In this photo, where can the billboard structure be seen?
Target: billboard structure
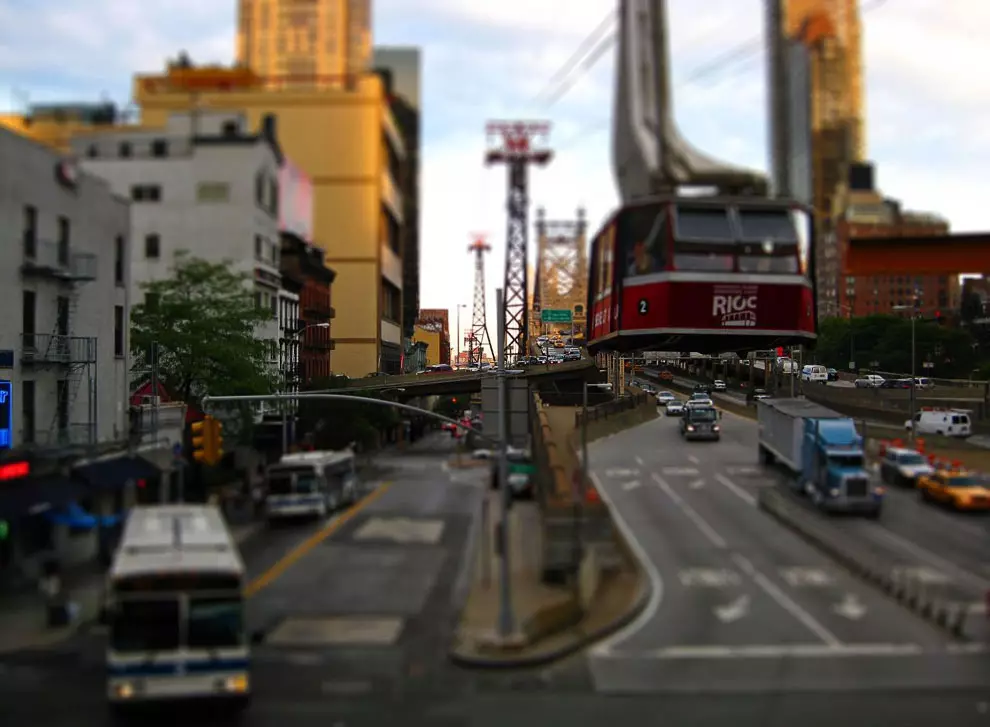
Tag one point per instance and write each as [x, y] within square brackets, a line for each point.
[295, 201]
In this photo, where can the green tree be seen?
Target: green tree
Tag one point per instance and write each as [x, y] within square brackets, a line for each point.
[203, 319]
[887, 340]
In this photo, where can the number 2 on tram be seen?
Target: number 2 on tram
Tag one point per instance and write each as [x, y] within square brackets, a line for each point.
[705, 274]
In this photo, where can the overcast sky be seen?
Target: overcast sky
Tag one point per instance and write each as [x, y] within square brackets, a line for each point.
[928, 96]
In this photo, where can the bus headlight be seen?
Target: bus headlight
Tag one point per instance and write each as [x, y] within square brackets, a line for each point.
[690, 428]
[237, 684]
[124, 690]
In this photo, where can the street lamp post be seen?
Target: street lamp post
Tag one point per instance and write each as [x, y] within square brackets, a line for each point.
[285, 407]
[457, 361]
[913, 308]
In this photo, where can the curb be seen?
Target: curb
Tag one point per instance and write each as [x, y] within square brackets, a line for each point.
[463, 580]
[548, 657]
[909, 594]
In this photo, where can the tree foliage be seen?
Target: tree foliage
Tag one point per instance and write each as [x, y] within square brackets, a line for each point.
[335, 424]
[203, 319]
[887, 340]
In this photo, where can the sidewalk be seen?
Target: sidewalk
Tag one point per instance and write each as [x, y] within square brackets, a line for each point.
[23, 615]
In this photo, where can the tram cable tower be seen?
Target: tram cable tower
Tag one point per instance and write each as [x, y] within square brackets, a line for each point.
[517, 144]
[478, 336]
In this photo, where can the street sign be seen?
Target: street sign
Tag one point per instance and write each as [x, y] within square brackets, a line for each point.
[555, 316]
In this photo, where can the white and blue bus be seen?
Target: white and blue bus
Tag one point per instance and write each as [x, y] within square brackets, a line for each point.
[311, 483]
[175, 605]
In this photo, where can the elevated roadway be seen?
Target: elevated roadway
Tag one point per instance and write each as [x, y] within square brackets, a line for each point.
[741, 604]
[412, 385]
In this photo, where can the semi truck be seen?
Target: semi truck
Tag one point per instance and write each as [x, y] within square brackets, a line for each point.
[822, 450]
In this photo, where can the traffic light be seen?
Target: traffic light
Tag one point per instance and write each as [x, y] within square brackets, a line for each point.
[207, 441]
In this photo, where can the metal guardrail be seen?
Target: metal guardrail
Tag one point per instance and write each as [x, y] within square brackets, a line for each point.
[611, 408]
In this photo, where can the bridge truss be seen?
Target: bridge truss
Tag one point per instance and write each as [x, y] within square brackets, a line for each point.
[561, 274]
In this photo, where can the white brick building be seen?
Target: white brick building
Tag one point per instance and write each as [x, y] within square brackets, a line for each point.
[206, 184]
[64, 290]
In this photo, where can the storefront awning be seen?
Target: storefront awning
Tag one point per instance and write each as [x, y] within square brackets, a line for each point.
[38, 495]
[114, 474]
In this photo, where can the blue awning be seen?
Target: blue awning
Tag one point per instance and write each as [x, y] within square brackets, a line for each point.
[113, 474]
[38, 495]
[74, 516]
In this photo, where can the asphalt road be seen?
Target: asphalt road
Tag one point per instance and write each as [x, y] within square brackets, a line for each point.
[740, 603]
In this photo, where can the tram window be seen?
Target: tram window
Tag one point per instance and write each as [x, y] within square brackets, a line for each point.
[704, 224]
[768, 264]
[767, 225]
[643, 232]
[711, 262]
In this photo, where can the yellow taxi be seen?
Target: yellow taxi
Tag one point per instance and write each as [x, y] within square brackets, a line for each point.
[961, 490]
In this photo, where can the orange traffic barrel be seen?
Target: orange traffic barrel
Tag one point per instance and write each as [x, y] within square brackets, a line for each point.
[919, 446]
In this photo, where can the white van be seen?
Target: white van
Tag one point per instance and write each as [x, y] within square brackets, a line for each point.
[944, 422]
[814, 373]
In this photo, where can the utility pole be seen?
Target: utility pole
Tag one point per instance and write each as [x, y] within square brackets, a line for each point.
[517, 144]
[506, 617]
[479, 318]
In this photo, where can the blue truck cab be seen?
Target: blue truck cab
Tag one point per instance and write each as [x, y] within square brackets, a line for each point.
[823, 451]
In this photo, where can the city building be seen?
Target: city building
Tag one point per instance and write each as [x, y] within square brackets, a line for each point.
[64, 351]
[831, 30]
[429, 335]
[289, 326]
[305, 262]
[325, 40]
[433, 328]
[202, 183]
[348, 143]
[401, 70]
[55, 125]
[861, 211]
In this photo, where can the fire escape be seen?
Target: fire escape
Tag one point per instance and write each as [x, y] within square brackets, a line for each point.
[72, 358]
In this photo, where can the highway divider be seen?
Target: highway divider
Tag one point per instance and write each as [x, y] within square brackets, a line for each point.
[884, 574]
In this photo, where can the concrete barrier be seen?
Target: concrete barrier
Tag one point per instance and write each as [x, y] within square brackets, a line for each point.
[883, 574]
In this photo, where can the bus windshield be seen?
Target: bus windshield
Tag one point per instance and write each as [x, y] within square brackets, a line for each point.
[307, 482]
[279, 483]
[146, 625]
[215, 622]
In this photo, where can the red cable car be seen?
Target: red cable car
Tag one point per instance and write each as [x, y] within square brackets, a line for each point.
[703, 274]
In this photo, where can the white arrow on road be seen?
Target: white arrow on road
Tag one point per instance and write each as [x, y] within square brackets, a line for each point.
[733, 611]
[850, 608]
[621, 473]
[631, 485]
[697, 484]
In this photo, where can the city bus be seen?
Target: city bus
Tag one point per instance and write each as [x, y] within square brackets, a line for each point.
[311, 483]
[175, 609]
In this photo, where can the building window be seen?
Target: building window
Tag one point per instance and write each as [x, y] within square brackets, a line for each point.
[152, 246]
[259, 188]
[159, 148]
[259, 247]
[274, 306]
[30, 233]
[28, 300]
[64, 232]
[118, 260]
[118, 330]
[27, 412]
[125, 150]
[92, 152]
[146, 193]
[230, 129]
[213, 192]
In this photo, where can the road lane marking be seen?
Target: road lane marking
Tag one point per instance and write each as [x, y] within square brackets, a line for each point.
[709, 577]
[736, 490]
[639, 461]
[707, 530]
[744, 470]
[647, 615]
[777, 651]
[294, 555]
[697, 484]
[802, 577]
[621, 473]
[631, 485]
[785, 601]
[693, 459]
